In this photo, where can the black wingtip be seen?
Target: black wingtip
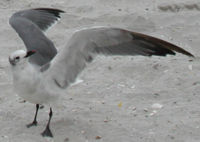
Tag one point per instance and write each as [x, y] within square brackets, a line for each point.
[165, 47]
[55, 12]
[166, 53]
[162, 52]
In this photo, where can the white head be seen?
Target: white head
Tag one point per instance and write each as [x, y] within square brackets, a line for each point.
[19, 56]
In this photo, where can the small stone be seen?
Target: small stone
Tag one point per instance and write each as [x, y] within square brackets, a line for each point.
[66, 139]
[156, 94]
[22, 101]
[41, 106]
[109, 67]
[166, 71]
[195, 83]
[133, 87]
[153, 113]
[172, 137]
[74, 110]
[121, 85]
[157, 106]
[134, 108]
[98, 137]
[103, 102]
[82, 132]
[4, 136]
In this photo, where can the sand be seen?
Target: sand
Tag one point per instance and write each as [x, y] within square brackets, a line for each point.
[121, 99]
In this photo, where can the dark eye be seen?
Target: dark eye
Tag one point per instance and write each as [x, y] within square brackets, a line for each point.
[17, 57]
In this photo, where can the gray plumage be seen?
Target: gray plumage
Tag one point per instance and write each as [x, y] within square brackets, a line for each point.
[30, 24]
[83, 45]
[86, 44]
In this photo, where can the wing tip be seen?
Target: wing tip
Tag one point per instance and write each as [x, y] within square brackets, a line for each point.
[188, 54]
[171, 48]
[47, 9]
[163, 52]
[54, 11]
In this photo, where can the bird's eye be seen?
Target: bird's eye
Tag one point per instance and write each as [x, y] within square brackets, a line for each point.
[17, 57]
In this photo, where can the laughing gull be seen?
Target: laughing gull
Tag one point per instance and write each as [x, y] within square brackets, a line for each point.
[40, 74]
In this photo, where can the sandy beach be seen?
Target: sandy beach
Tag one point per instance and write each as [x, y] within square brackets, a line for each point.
[121, 99]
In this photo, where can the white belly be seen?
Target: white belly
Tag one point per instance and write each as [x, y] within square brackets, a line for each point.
[34, 92]
[30, 87]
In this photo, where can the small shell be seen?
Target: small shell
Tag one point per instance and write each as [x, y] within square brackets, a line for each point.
[153, 113]
[157, 106]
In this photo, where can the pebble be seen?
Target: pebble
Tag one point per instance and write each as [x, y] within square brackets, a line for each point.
[133, 87]
[66, 140]
[157, 106]
[153, 113]
[82, 132]
[98, 137]
[22, 101]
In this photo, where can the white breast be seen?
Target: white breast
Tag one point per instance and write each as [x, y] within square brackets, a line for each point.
[26, 82]
[31, 85]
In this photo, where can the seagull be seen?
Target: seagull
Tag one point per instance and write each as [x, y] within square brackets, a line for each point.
[40, 73]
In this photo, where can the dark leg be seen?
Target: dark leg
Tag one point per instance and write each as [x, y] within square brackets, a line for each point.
[34, 123]
[47, 131]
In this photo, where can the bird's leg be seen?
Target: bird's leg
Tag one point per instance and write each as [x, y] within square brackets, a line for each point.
[47, 132]
[34, 123]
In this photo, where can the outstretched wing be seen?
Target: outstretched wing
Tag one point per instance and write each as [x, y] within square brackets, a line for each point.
[85, 44]
[30, 24]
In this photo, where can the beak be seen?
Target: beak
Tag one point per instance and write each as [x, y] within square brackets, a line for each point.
[29, 53]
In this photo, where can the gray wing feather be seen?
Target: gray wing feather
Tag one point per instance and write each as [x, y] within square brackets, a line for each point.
[44, 18]
[29, 25]
[85, 44]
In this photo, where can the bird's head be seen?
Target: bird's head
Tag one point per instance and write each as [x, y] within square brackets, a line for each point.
[19, 56]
